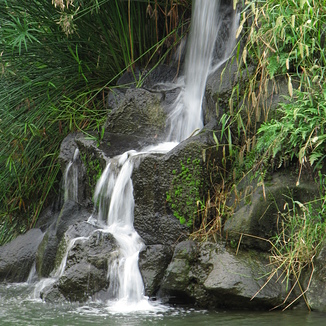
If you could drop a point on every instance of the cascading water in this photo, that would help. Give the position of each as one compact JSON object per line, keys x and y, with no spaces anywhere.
{"x":187,"y":114}
{"x":71,"y":179}
{"x":114,"y":194}
{"x":114,"y":190}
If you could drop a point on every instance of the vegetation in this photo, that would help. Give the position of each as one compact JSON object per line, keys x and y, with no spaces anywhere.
{"x":284,"y":41}
{"x":58,"y":61}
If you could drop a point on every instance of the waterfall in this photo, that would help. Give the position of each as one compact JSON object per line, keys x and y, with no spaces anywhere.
{"x":114,"y":190}
{"x":71,"y":179}
{"x":187,"y":114}
{"x":115,"y":200}
{"x":113,"y":196}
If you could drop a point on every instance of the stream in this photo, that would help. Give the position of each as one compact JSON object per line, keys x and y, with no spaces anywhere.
{"x":18,"y":309}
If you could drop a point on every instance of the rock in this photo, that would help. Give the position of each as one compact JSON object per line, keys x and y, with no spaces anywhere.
{"x":52,"y":294}
{"x":70,"y":213}
{"x":18,"y":256}
{"x":166,"y":186}
{"x":184,"y":277}
{"x":209,"y":276}
{"x":140,"y":113}
{"x":86,"y":267}
{"x":256,"y":217}
{"x":236,"y":279}
{"x":160,"y":76}
{"x":153,"y":262}
{"x":81,"y":281}
{"x":316,"y":291}
{"x":67,"y":150}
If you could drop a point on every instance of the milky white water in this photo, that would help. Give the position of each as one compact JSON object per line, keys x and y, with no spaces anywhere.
{"x":71,"y":179}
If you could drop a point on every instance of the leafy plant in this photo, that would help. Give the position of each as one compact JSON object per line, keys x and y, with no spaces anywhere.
{"x":285,"y":40}
{"x":58,"y":62}
{"x":300,"y":130}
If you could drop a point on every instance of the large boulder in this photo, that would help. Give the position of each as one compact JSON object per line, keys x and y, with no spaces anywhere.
{"x":211,"y":276}
{"x":153,"y":261}
{"x":70,"y":213}
{"x":139,"y":113}
{"x":83,"y":268}
{"x":18,"y":256}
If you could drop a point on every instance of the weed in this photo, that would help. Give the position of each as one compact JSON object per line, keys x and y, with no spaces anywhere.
{"x":185,"y":194}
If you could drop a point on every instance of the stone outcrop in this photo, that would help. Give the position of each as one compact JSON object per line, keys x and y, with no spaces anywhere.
{"x":18,"y":256}
{"x":209,"y":275}
{"x":258,"y":207}
{"x":315,"y":282}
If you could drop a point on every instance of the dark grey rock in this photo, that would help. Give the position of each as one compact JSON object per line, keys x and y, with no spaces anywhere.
{"x":18,"y":256}
{"x":315,"y":282}
{"x":140,"y":113}
{"x":153,"y":262}
{"x":70,"y":214}
{"x":86,"y":267}
{"x":207,"y":275}
{"x":67,"y":150}
{"x":185,"y":275}
{"x":157,"y":175}
{"x":240,"y":281}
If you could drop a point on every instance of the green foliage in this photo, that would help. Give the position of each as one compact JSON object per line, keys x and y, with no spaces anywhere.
{"x":57,"y":65}
{"x":285,"y":41}
{"x":300,"y":130}
{"x":291,"y":41}
{"x":93,"y":169}
{"x":185,"y":193}
{"x":302,"y":231}
{"x":290,"y":37}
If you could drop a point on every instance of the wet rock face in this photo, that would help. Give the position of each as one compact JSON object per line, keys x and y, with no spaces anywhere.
{"x":208,"y":275}
{"x":316,"y":285}
{"x":18,"y":256}
{"x":70,"y":214}
{"x":139,"y":113}
{"x":153,"y":262}
{"x":86,"y":270}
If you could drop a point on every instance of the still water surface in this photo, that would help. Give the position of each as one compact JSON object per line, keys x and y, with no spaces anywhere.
{"x":16,"y":309}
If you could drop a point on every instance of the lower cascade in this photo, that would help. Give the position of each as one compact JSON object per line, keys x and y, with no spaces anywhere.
{"x":113,"y":196}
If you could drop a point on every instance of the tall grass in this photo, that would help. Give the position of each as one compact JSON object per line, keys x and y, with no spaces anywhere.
{"x":57,"y":64}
